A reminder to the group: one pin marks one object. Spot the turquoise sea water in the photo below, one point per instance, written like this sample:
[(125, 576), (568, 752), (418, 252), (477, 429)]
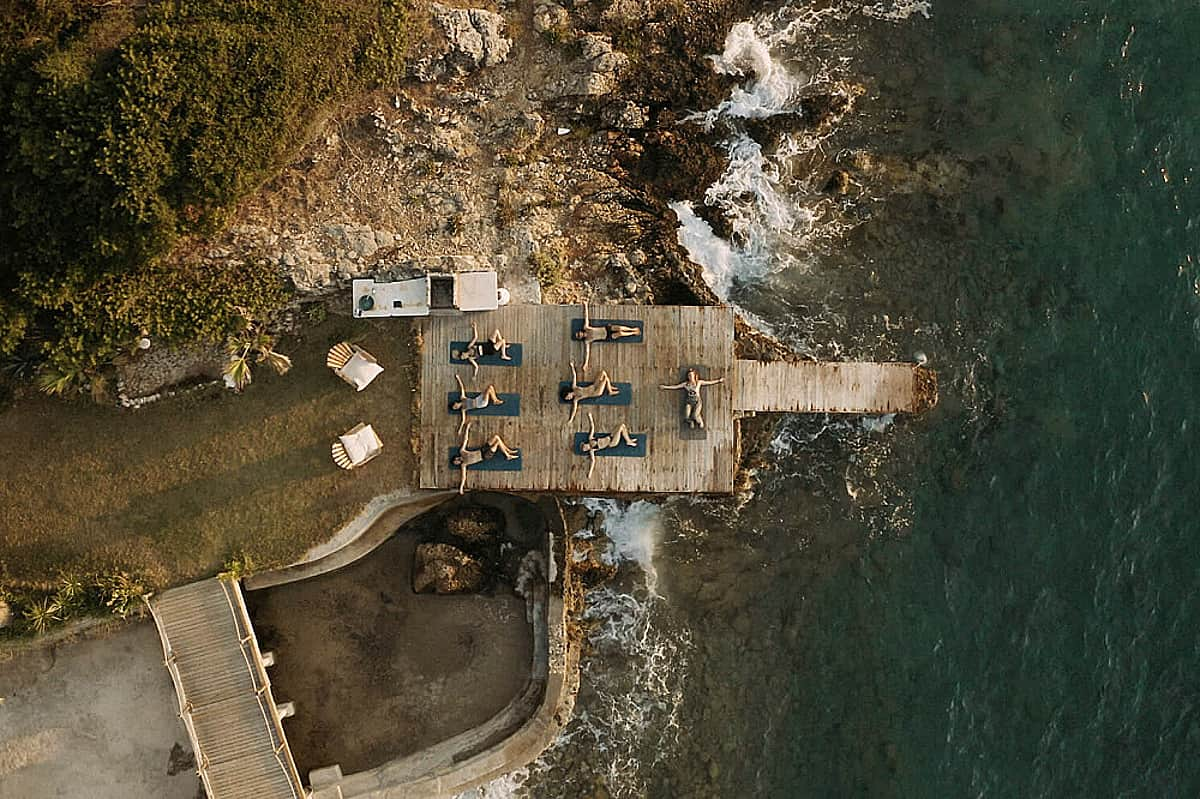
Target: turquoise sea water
[(1036, 631), (998, 599)]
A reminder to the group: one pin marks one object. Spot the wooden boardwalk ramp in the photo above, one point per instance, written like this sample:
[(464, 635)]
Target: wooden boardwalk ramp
[(224, 695), (826, 387)]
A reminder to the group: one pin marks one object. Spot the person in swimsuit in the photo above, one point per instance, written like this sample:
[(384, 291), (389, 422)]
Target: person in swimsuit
[(469, 457), (587, 334), (693, 404), (465, 403), (603, 385), (605, 441), (481, 349)]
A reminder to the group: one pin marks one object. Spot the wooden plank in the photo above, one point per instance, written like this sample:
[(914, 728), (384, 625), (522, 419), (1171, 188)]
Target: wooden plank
[(824, 387), (226, 706), (674, 337)]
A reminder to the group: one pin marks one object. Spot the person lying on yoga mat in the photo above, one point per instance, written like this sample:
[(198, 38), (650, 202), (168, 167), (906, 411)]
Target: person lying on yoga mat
[(618, 438), (481, 349), (469, 457), (603, 385), (587, 334), (477, 403), (693, 405)]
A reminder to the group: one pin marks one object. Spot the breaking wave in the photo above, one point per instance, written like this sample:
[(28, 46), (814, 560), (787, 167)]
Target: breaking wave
[(773, 216), (632, 675)]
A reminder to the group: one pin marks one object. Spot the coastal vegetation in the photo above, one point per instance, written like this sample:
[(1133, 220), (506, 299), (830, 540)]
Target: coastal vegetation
[(192, 485), (129, 127)]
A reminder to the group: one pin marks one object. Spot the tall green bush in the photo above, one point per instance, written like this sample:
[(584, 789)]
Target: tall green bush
[(122, 131)]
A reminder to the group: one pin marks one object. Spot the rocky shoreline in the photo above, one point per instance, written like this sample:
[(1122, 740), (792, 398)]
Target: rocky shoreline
[(543, 140)]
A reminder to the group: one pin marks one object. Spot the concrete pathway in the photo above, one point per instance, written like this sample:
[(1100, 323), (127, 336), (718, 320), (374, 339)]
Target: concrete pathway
[(93, 719)]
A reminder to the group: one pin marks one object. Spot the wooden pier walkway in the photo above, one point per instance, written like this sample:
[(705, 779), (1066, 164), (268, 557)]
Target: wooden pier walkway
[(677, 459), (225, 698), (828, 387)]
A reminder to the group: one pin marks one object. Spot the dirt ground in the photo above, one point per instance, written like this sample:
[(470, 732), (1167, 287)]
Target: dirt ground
[(93, 719), (377, 671)]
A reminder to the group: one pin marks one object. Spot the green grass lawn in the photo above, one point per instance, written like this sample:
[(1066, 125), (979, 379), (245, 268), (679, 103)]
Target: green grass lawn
[(175, 489)]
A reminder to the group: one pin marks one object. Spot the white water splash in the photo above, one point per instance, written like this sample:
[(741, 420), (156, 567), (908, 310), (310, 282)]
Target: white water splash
[(771, 223), (719, 263), (878, 424), (634, 529), (774, 85)]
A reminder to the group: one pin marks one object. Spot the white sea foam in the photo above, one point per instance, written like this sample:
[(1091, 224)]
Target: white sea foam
[(898, 10), (772, 223), (637, 672), (718, 261), (635, 530), (634, 667), (878, 424)]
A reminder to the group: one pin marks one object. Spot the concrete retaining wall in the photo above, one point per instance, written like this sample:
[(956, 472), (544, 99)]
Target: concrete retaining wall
[(382, 516), (515, 736)]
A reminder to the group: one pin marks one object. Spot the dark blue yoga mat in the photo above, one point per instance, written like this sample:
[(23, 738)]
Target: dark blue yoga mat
[(511, 406), (577, 325), (623, 397), (496, 463), (623, 451), (515, 352)]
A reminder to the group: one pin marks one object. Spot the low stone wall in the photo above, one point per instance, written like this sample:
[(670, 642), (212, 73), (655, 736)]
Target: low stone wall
[(382, 516), (512, 738)]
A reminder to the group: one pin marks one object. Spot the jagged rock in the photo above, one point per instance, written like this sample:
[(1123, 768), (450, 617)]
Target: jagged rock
[(838, 183), (443, 569), (449, 144), (475, 524), (588, 560), (472, 38), (597, 72), (624, 115), (550, 18)]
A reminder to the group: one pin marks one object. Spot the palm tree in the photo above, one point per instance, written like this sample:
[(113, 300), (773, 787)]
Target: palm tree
[(42, 615), (254, 343)]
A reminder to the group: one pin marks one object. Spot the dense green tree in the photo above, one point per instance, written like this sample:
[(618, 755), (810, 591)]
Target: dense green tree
[(123, 128)]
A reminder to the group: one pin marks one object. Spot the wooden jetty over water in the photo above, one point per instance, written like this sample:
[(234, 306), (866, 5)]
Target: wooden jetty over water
[(677, 459)]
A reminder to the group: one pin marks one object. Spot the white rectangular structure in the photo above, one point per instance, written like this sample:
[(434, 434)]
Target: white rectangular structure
[(446, 292)]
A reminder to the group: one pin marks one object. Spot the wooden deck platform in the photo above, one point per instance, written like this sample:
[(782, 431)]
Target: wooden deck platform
[(675, 337)]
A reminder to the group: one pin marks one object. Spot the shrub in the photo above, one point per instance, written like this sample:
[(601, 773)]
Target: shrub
[(238, 566), (549, 265), (123, 134), (121, 593)]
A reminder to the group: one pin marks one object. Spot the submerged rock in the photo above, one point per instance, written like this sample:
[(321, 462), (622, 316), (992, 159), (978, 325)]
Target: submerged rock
[(443, 569), (839, 182)]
